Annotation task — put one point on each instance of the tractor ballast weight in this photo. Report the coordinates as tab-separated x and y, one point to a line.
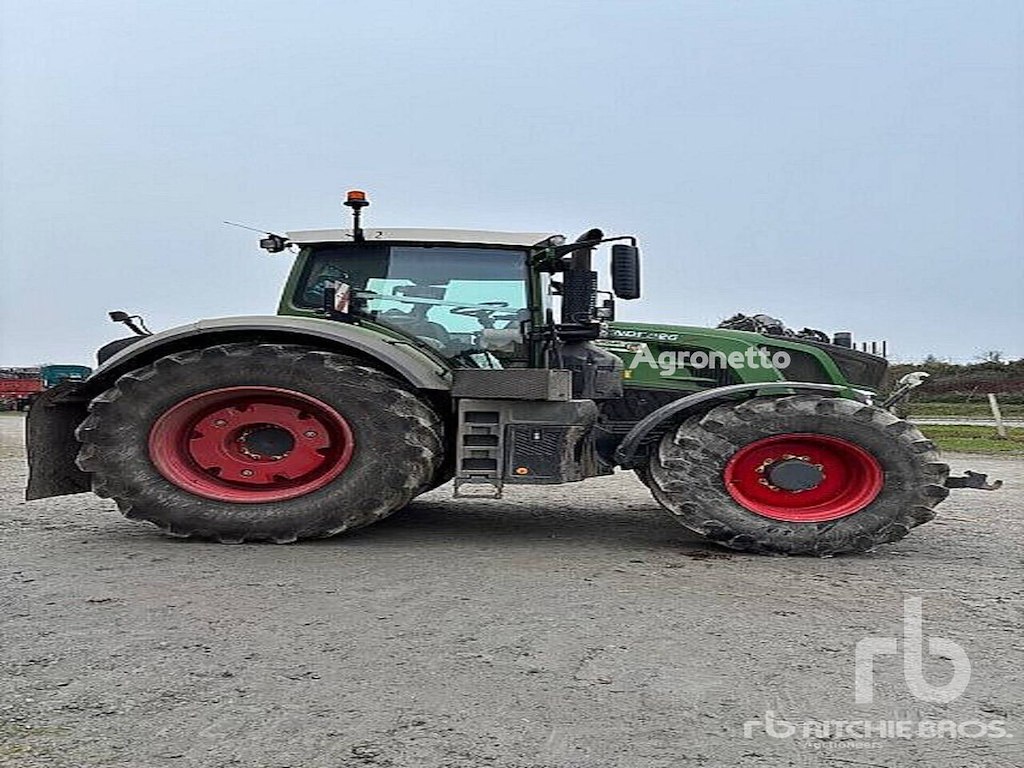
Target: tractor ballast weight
401	358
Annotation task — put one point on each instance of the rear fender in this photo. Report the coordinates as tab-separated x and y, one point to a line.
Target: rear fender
51	444
50	429
400	357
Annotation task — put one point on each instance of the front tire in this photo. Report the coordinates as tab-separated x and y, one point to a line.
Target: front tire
259	442
798	475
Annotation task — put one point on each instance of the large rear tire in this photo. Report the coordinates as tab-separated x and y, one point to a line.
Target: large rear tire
259	442
798	475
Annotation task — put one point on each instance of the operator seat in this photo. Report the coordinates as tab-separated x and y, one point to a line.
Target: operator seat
415	322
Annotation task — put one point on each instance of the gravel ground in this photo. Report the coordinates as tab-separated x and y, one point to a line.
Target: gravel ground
571	627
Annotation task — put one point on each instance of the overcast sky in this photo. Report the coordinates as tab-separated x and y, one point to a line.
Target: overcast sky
842	165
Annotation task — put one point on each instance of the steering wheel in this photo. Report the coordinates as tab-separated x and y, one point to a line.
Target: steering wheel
482	307
482	312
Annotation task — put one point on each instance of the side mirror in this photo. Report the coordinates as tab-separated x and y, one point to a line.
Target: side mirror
133	322
626	271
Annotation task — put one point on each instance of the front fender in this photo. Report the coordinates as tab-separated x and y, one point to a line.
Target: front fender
632	445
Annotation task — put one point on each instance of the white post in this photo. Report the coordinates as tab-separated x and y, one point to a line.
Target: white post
1000	427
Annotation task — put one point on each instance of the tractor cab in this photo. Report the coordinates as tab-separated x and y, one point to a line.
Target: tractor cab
470	297
476	299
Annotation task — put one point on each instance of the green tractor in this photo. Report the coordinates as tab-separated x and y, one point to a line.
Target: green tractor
400	359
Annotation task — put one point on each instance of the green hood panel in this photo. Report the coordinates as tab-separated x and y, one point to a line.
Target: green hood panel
634	342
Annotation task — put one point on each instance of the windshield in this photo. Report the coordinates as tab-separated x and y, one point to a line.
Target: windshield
467	303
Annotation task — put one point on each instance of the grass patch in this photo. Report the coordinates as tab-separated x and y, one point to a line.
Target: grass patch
978	410
971	439
19	742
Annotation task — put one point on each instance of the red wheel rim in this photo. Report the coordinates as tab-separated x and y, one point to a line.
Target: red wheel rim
251	444
842	478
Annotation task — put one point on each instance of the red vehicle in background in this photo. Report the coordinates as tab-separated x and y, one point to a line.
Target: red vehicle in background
18	386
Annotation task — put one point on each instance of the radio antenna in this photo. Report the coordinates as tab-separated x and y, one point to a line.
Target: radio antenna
273	243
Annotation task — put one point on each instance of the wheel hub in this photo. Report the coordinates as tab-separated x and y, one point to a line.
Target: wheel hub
803	477
795	474
266	441
251	444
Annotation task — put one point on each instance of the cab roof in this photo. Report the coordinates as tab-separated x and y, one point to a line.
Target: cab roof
407	235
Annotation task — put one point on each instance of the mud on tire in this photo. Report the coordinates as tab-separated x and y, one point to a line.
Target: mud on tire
687	475
397	443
